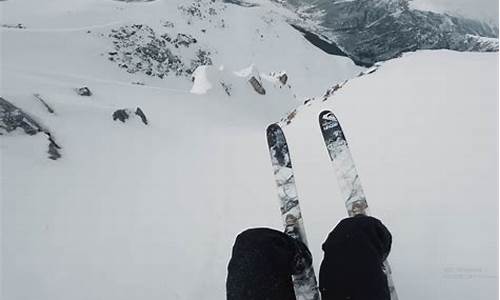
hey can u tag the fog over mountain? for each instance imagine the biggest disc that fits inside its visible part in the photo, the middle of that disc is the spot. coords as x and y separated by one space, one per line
484 10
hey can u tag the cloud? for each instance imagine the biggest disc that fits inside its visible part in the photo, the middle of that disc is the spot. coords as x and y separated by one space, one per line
484 10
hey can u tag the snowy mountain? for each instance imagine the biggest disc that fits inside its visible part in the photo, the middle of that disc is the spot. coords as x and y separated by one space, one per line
138 44
129 165
376 30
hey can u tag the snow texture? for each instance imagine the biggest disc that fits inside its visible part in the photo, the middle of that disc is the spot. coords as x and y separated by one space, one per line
132 211
201 83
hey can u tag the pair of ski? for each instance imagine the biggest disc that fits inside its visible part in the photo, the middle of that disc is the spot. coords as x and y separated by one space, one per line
305 284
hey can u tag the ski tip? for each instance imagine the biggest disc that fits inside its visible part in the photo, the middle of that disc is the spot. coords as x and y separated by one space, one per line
273 127
327 115
271 132
274 130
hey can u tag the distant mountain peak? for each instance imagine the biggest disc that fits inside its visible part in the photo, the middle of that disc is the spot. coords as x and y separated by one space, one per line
375 30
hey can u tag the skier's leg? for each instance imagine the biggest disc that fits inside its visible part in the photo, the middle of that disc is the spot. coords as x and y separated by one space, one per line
352 266
262 263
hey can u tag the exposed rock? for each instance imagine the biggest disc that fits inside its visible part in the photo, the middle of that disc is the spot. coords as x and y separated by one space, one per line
183 40
125 113
226 87
202 9
49 109
329 92
121 114
138 48
202 58
321 42
283 78
168 24
53 149
141 114
12 118
241 3
192 10
84 91
257 86
289 117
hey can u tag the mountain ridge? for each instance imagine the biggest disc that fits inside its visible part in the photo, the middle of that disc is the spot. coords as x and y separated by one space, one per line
370 31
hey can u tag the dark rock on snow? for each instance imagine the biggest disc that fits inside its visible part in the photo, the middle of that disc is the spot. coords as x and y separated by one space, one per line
283 78
53 149
44 103
257 86
125 113
12 118
139 48
226 87
120 114
141 115
84 91
241 3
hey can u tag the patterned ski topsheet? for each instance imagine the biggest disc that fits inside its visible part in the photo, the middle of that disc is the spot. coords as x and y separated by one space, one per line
305 284
343 164
347 175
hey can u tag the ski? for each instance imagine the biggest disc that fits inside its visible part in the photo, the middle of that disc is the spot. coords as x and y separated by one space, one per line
347 175
305 284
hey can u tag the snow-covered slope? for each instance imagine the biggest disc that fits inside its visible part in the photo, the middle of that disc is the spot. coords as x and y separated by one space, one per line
74 36
423 133
150 211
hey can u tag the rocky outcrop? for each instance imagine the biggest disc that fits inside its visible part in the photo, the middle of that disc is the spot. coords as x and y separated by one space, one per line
13 118
203 9
257 85
121 114
139 49
44 103
283 78
83 91
141 115
165 51
241 3
226 87
125 113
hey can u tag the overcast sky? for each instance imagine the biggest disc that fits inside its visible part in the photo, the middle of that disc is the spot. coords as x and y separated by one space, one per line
486 10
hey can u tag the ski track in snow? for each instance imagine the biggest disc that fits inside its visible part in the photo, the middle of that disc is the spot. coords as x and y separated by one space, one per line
70 29
69 78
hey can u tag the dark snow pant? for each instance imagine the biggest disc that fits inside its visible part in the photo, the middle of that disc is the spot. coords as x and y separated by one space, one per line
263 261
